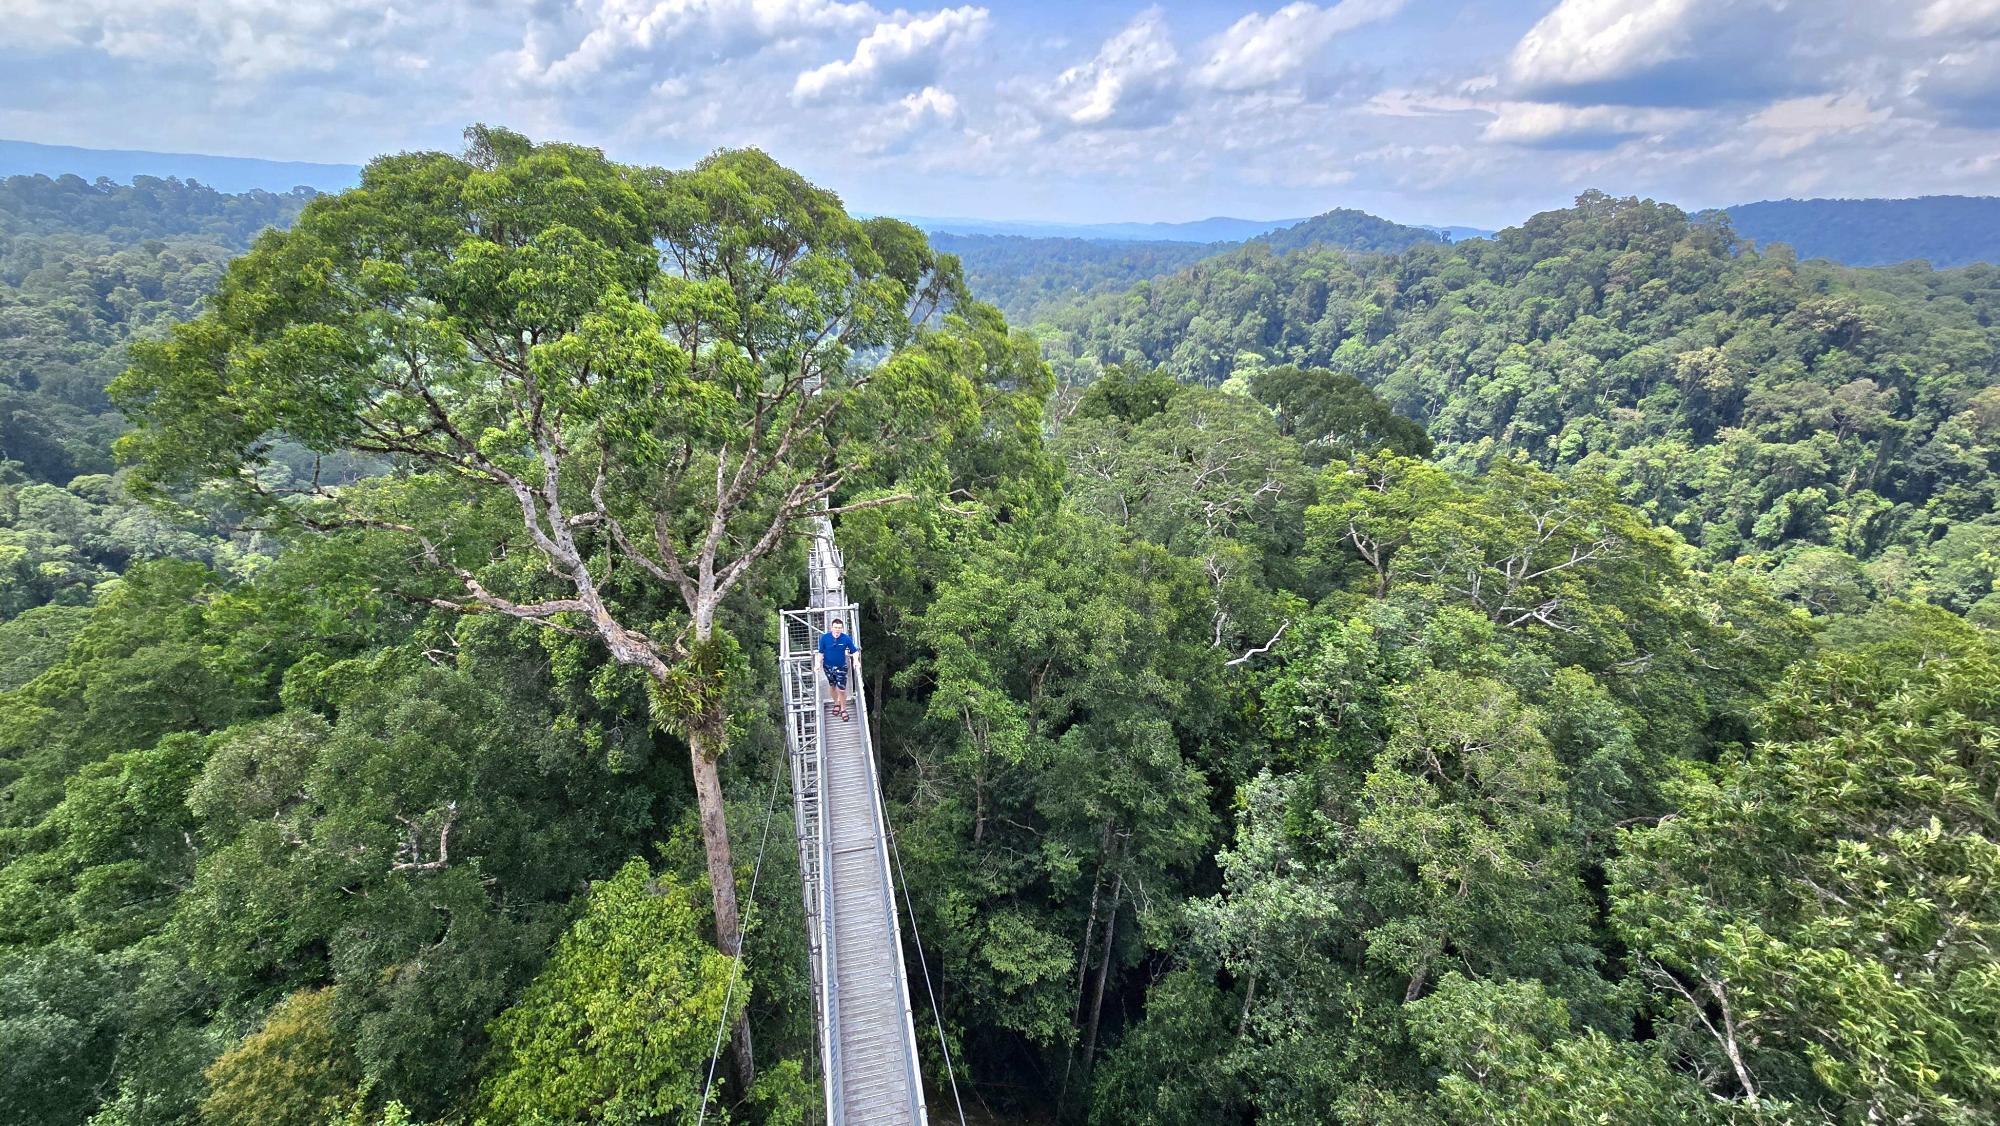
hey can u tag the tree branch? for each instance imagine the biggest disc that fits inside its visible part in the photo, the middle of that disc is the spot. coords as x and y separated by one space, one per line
1261 649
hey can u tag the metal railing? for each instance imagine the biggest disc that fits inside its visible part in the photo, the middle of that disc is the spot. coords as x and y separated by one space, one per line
881 827
805 727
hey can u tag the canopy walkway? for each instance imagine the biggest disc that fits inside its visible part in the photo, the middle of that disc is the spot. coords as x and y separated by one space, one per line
867 1039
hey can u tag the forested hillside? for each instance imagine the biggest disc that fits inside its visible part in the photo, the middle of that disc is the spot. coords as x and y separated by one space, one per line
1031 278
85 269
1351 230
1943 230
1538 681
1751 402
1028 277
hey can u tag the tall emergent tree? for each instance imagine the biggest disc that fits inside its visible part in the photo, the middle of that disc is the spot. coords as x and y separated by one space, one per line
607 394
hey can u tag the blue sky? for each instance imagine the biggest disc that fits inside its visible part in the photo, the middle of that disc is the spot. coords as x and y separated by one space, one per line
1441 111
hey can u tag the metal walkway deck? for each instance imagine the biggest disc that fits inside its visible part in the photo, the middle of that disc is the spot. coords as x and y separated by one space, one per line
868 1047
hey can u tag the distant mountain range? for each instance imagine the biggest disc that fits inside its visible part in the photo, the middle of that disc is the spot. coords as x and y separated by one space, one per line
1219 229
223 173
1944 230
242 174
1029 276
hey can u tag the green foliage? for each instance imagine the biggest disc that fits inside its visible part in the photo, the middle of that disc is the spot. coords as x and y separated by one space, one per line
85 269
146 208
1818 921
60 1013
1060 731
618 1026
1629 763
1347 229
1508 1055
1466 797
1207 476
1029 278
1334 415
36 640
294 1069
418 848
1167 1073
62 545
119 850
1748 400
148 663
1026 277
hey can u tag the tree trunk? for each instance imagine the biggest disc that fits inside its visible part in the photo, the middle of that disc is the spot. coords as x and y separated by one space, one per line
721 876
979 802
1083 973
1103 972
1249 995
1417 982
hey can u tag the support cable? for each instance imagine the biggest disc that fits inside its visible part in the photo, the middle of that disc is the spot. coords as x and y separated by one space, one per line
937 1016
743 931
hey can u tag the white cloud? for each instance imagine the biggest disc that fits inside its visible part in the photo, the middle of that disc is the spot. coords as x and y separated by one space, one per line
1129 82
1717 53
902 51
1960 17
905 121
1405 102
1698 101
693 31
246 40
1825 113
1794 124
931 102
1260 50
1551 125
1590 41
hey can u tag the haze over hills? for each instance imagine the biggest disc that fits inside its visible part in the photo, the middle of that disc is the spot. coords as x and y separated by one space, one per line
243 174
223 173
1944 230
1029 277
1220 229
1217 229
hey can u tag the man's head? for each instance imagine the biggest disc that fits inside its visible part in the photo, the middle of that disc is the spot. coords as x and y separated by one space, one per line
836 625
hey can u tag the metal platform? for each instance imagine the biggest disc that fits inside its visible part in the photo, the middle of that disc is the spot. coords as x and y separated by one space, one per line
867 1039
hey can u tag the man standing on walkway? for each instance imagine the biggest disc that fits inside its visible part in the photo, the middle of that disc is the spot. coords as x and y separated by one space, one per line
836 657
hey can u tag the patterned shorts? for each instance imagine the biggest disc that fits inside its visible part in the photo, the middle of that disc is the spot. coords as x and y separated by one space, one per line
837 677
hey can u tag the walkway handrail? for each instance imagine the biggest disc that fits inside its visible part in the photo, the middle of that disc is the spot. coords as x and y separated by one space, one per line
807 730
860 697
806 726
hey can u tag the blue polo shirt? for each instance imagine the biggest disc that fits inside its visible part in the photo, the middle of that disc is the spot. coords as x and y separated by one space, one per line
833 650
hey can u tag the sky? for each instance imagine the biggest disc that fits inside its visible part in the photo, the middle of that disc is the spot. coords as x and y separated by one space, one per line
1475 112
